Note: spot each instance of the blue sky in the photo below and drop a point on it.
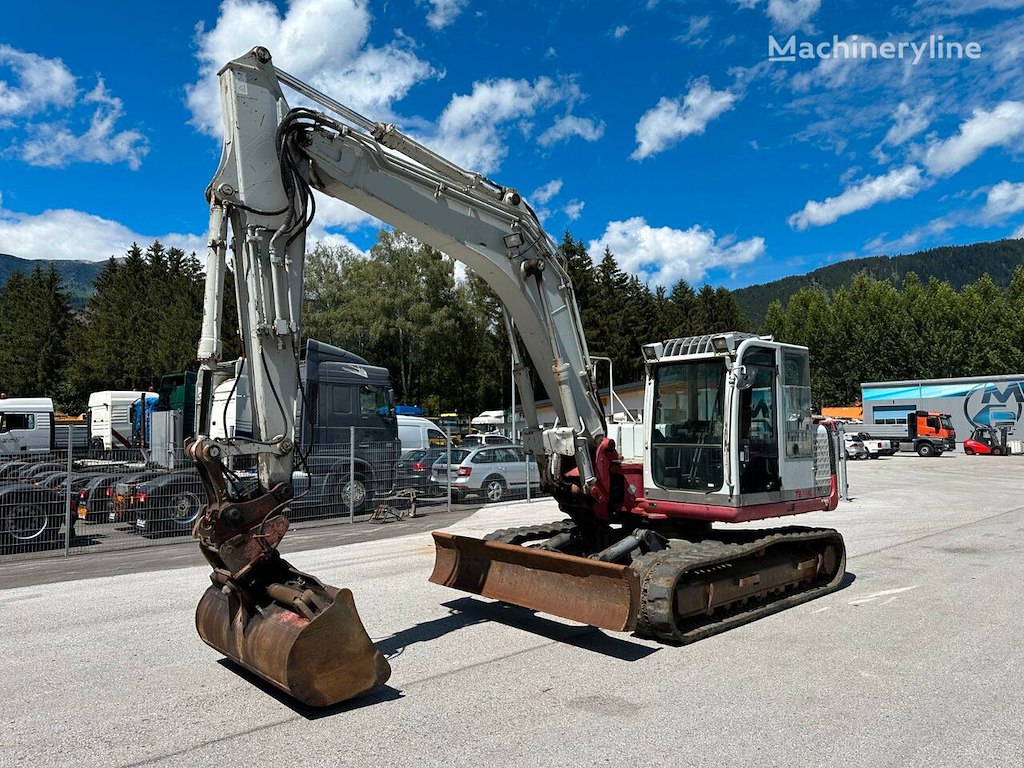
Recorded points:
(660, 129)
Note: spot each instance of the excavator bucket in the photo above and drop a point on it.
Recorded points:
(588, 591)
(319, 661)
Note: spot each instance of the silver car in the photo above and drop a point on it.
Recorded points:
(492, 471)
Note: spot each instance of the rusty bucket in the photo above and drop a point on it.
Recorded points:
(591, 592)
(319, 659)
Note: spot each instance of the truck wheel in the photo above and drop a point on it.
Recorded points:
(183, 508)
(925, 449)
(24, 524)
(997, 451)
(341, 486)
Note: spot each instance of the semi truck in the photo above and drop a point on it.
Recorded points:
(26, 425)
(925, 433)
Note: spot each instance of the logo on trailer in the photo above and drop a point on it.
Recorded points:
(987, 405)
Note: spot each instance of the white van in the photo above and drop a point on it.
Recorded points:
(26, 425)
(416, 433)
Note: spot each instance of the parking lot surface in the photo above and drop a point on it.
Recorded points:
(918, 661)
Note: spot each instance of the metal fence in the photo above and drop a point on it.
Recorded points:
(84, 499)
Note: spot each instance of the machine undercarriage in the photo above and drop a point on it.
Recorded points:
(678, 584)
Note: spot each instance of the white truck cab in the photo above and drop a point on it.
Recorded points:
(26, 425)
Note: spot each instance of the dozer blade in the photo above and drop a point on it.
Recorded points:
(319, 661)
(588, 591)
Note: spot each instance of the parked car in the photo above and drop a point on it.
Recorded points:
(478, 439)
(855, 448)
(414, 468)
(493, 471)
(878, 446)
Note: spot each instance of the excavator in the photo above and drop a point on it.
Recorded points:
(728, 431)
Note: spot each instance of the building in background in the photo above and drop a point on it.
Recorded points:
(974, 401)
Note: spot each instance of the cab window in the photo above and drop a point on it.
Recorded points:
(373, 402)
(9, 421)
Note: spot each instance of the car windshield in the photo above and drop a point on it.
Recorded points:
(414, 455)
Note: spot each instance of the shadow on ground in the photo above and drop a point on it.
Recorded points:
(467, 611)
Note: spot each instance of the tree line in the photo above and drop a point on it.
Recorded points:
(880, 330)
(956, 264)
(444, 340)
(141, 322)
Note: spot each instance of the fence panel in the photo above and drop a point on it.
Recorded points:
(118, 500)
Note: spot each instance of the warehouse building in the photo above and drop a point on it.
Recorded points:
(975, 401)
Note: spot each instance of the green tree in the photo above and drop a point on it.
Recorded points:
(35, 320)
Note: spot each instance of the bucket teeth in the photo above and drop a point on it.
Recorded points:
(591, 592)
(319, 661)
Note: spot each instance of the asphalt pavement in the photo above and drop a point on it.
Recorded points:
(916, 662)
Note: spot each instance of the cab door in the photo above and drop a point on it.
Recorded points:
(758, 422)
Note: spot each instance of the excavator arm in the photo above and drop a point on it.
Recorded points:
(260, 611)
(621, 561)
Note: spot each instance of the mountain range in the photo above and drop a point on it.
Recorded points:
(78, 275)
(958, 264)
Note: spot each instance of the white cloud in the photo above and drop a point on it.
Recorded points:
(663, 255)
(471, 127)
(912, 239)
(1018, 233)
(332, 212)
(620, 32)
(836, 72)
(967, 7)
(444, 12)
(70, 234)
(322, 42)
(789, 15)
(40, 83)
(570, 125)
(983, 130)
(669, 121)
(573, 209)
(43, 106)
(909, 121)
(786, 15)
(695, 28)
(54, 145)
(1004, 199)
(543, 194)
(899, 183)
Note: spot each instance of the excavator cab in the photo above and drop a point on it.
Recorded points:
(731, 426)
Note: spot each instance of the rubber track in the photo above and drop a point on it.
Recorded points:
(661, 571)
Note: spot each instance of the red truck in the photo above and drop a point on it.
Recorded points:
(925, 432)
